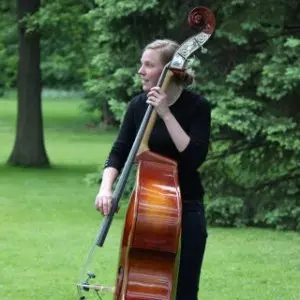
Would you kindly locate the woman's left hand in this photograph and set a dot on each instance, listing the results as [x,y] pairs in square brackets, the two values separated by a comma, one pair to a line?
[158,99]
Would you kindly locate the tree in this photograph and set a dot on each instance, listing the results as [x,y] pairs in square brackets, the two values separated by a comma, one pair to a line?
[65,51]
[253,82]
[29,149]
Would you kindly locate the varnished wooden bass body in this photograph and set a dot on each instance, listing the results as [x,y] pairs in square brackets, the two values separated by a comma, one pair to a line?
[150,244]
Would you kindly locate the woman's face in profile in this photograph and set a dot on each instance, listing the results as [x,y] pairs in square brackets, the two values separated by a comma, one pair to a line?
[151,68]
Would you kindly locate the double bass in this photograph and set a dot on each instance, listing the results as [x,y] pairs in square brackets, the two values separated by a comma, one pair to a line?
[150,247]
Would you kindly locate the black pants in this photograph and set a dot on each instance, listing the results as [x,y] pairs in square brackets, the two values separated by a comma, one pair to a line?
[193,241]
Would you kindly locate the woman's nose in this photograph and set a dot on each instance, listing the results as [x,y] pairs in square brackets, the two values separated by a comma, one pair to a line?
[141,70]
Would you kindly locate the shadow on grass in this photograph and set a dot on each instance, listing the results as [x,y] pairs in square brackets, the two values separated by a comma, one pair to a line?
[56,169]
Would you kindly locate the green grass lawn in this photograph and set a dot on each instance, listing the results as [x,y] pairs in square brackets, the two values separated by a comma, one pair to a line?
[48,224]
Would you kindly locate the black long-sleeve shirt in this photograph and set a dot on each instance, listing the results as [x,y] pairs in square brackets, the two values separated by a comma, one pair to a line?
[193,114]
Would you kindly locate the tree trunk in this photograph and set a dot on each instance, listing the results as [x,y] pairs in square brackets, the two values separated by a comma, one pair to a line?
[29,149]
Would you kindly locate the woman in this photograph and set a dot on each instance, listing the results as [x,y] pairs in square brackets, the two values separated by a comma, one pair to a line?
[181,133]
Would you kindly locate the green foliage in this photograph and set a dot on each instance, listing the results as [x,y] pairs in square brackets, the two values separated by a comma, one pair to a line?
[64,31]
[225,211]
[117,108]
[3,79]
[254,87]
[286,216]
[8,46]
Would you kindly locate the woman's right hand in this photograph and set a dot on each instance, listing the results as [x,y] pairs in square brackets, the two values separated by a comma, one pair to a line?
[103,201]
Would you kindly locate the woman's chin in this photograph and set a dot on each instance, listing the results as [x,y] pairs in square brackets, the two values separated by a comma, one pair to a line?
[146,88]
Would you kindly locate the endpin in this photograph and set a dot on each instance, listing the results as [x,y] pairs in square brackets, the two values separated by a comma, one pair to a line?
[86,282]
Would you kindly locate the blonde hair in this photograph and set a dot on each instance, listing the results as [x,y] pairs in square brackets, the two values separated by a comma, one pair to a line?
[167,49]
